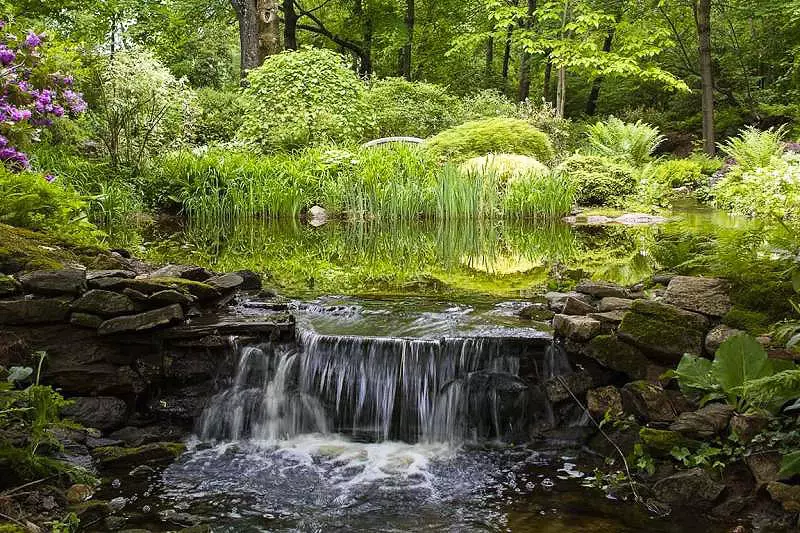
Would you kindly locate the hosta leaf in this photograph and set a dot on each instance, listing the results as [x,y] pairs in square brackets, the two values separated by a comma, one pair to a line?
[738,360]
[694,374]
[790,466]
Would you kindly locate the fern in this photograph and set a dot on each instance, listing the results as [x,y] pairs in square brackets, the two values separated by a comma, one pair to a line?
[754,148]
[631,142]
[777,388]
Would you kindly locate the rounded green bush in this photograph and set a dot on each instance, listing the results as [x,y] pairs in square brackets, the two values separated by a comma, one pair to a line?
[491,135]
[598,180]
[218,117]
[409,108]
[301,98]
[680,173]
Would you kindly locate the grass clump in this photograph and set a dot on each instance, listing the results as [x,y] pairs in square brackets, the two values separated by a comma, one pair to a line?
[491,135]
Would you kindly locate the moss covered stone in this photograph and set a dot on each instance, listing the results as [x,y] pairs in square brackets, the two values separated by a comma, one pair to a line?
[751,321]
[612,353]
[8,286]
[663,330]
[659,442]
[157,452]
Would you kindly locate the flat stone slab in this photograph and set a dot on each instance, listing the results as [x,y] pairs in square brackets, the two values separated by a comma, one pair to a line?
[104,303]
[664,330]
[600,289]
[708,296]
[577,328]
[275,326]
[54,282]
[33,311]
[143,321]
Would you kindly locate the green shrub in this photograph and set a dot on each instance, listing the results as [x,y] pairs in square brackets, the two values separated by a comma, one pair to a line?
[407,108]
[301,98]
[680,173]
[543,115]
[754,149]
[491,135]
[486,104]
[598,180]
[632,143]
[504,167]
[218,117]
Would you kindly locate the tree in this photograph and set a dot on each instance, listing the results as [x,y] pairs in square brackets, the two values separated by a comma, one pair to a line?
[702,16]
[259,31]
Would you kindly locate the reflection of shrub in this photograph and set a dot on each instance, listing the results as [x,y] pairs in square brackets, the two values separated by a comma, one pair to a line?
[303,98]
[632,143]
[598,180]
[492,135]
[218,117]
[411,108]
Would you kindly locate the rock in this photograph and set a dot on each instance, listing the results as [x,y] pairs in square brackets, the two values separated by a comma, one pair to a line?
[102,412]
[663,278]
[202,291]
[708,296]
[705,423]
[604,400]
[573,306]
[8,286]
[148,286]
[317,216]
[251,280]
[647,402]
[746,427]
[578,328]
[611,318]
[610,303]
[79,493]
[612,353]
[165,316]
[93,443]
[576,382]
[660,442]
[169,297]
[639,219]
[718,335]
[103,303]
[190,272]
[33,311]
[135,436]
[157,452]
[55,282]
[99,274]
[786,495]
[86,320]
[691,488]
[226,282]
[764,467]
[556,300]
[600,289]
[538,312]
[664,330]
[625,436]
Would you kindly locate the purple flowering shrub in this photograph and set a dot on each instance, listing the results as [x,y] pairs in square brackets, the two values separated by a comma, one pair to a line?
[30,97]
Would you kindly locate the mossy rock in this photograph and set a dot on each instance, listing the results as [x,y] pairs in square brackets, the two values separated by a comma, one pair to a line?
[202,291]
[8,527]
[663,330]
[659,442]
[8,285]
[157,452]
[612,353]
[751,321]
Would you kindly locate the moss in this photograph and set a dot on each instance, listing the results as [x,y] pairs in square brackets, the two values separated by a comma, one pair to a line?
[660,442]
[157,452]
[751,321]
[617,355]
[8,527]
[203,291]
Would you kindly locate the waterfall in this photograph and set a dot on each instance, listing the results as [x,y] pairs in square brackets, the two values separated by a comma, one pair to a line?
[374,389]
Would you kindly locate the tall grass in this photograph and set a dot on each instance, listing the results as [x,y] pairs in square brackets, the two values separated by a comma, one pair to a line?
[754,148]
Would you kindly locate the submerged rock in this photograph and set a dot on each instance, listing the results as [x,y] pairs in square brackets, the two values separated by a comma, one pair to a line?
[708,296]
[55,282]
[33,311]
[165,316]
[664,330]
[691,488]
[157,452]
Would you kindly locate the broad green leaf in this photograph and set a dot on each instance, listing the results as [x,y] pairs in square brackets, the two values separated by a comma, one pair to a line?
[694,374]
[738,360]
[790,466]
[19,373]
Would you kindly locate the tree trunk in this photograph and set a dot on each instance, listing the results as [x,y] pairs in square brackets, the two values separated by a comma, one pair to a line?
[507,52]
[702,14]
[259,32]
[525,62]
[405,52]
[594,94]
[365,57]
[561,92]
[489,56]
[290,19]
[548,76]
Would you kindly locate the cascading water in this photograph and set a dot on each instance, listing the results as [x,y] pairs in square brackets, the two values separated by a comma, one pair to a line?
[372,388]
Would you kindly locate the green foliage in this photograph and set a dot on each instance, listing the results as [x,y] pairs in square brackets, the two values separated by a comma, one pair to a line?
[631,143]
[487,104]
[218,117]
[404,108]
[753,149]
[753,322]
[790,465]
[680,173]
[492,135]
[536,195]
[598,180]
[301,98]
[742,374]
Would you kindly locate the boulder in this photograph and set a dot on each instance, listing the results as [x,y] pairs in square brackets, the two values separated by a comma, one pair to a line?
[647,402]
[251,280]
[101,412]
[708,296]
[103,303]
[573,306]
[577,328]
[99,274]
[664,330]
[577,383]
[610,303]
[612,319]
[604,400]
[85,320]
[55,282]
[169,297]
[747,426]
[556,300]
[660,442]
[705,423]
[154,453]
[537,311]
[165,316]
[8,286]
[226,282]
[600,289]
[787,495]
[33,311]
[764,467]
[612,353]
[190,272]
[690,488]
[718,335]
